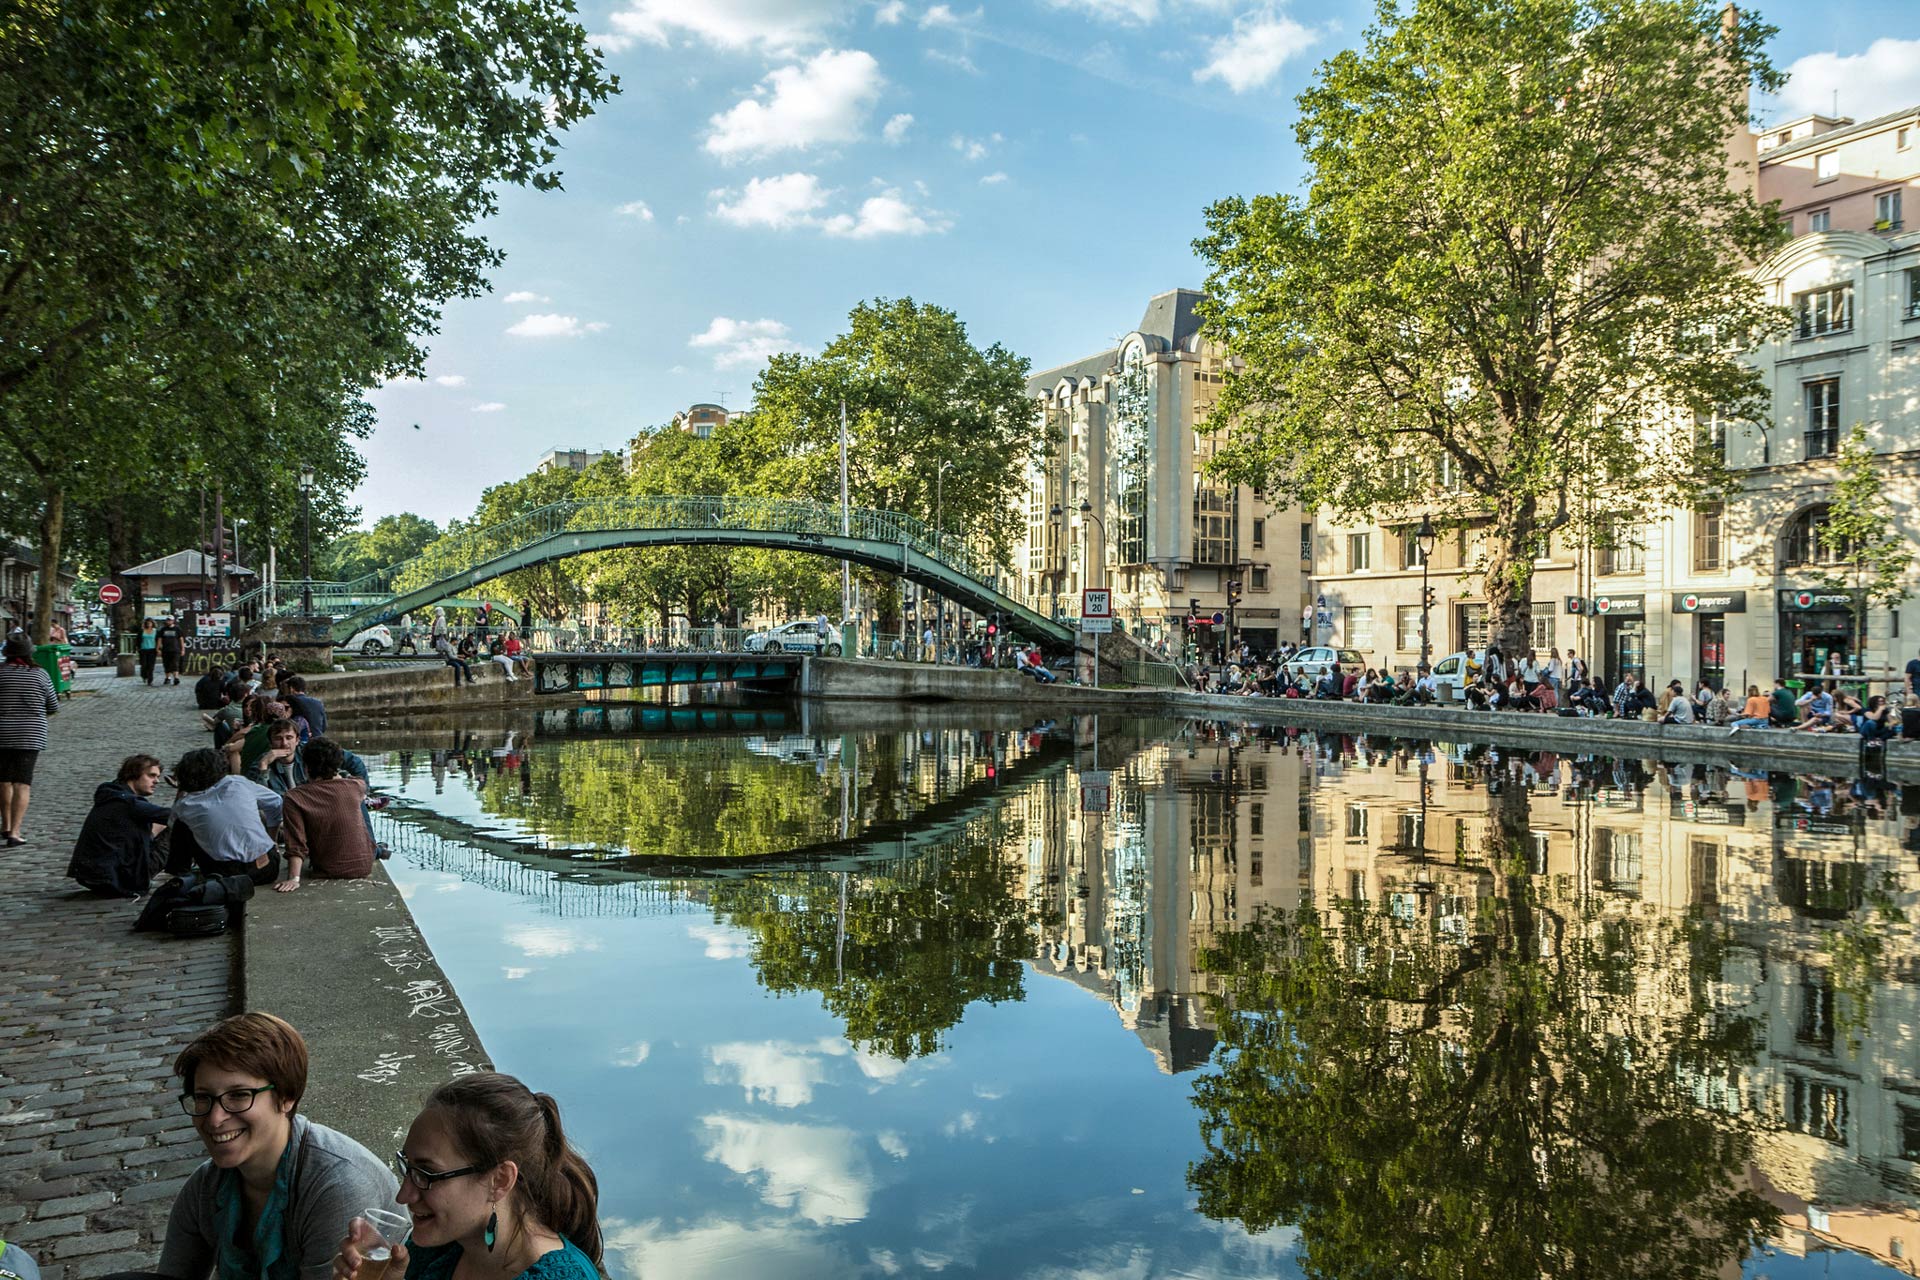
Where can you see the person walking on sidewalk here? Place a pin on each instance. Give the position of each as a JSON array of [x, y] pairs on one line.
[[171, 648], [26, 700], [149, 649]]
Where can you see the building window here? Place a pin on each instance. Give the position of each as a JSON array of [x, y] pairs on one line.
[[1448, 473], [1259, 577], [1213, 526], [1786, 225], [1815, 1028], [1886, 211], [1817, 1108], [1826, 166], [1540, 626], [1474, 628], [1617, 859], [1806, 541], [1357, 826], [1360, 627], [1409, 557], [1819, 220], [1406, 626], [1707, 524], [1903, 139], [1819, 312], [1259, 531], [1913, 293], [1621, 551], [1359, 552], [1823, 417], [1306, 542], [1710, 435]]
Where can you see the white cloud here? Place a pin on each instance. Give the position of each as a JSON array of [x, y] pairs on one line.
[[776, 1071], [1131, 12], [524, 295], [722, 943], [633, 1055], [972, 149], [773, 25], [515, 972], [825, 99], [715, 1250], [941, 15], [788, 200], [958, 61], [544, 942], [491, 406], [1253, 53], [635, 209], [452, 379], [886, 214], [819, 1173], [895, 129], [736, 344], [608, 42], [893, 1144], [1884, 78], [993, 179], [554, 326], [890, 13]]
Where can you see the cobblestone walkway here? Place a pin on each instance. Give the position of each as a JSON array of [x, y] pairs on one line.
[[92, 1142]]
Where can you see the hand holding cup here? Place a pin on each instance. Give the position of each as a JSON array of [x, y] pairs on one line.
[[375, 1243]]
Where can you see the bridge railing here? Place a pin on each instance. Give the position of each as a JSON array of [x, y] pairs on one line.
[[462, 552]]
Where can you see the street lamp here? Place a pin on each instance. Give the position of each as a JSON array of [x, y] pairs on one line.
[[306, 521], [1086, 513], [939, 549], [1423, 537]]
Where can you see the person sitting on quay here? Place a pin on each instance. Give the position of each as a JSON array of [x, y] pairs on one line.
[[222, 821], [1630, 699], [1545, 696], [1817, 704], [276, 1188], [324, 820], [494, 1188], [208, 694], [293, 692], [1719, 709], [1680, 707], [1756, 713], [441, 646], [114, 856], [1875, 720]]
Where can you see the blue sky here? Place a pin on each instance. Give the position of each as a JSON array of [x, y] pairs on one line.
[[1039, 166]]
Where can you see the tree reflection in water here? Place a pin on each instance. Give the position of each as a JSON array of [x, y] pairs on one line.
[[1507, 1099], [908, 947]]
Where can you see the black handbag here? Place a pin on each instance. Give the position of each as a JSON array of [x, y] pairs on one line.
[[197, 922]]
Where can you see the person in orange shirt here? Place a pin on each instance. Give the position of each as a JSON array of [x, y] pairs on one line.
[[1754, 714]]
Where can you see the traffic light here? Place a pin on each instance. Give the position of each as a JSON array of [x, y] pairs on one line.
[[1430, 598], [1193, 607], [1233, 591], [993, 627]]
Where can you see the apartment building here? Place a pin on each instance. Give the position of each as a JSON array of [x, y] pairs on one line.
[[701, 420], [568, 459], [1122, 498], [1740, 593]]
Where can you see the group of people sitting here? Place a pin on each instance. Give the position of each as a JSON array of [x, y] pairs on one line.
[[273, 784]]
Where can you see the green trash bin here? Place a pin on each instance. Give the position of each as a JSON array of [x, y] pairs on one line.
[[47, 658]]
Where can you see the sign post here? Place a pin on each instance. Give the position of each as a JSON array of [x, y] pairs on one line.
[[1096, 618]]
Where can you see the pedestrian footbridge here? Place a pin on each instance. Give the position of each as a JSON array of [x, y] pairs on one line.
[[459, 563]]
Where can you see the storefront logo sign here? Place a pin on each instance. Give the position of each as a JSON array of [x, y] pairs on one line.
[[1710, 602], [1619, 604], [1801, 599]]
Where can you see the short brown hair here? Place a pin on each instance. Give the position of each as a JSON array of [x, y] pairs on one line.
[[136, 766], [257, 1043]]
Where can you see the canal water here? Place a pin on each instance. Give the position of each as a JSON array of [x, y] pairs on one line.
[[874, 993]]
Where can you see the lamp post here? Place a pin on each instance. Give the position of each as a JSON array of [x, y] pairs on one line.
[[939, 546], [1086, 513], [306, 558], [1423, 537]]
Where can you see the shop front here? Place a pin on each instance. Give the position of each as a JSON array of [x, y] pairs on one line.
[[1623, 636], [1710, 610], [1816, 631]]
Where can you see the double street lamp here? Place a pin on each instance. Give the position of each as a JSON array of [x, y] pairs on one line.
[[939, 547], [1423, 538], [306, 557]]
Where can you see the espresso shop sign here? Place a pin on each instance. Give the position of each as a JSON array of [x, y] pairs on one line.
[[1795, 598], [1620, 606], [1709, 602]]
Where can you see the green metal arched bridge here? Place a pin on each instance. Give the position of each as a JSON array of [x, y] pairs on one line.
[[460, 562]]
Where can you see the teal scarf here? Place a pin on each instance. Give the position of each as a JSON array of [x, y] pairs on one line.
[[268, 1258]]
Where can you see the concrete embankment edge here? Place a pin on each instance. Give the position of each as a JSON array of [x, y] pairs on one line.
[[344, 962]]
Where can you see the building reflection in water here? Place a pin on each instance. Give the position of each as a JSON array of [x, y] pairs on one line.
[[1546, 1015]]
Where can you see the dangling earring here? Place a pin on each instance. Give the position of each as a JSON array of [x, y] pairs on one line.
[[493, 1225]]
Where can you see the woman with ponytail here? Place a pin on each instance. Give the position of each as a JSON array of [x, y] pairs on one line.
[[494, 1190]]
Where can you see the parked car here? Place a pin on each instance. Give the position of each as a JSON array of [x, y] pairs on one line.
[[796, 637], [1456, 671], [1314, 662], [371, 641]]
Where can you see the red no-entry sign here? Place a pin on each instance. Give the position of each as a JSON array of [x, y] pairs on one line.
[[109, 594]]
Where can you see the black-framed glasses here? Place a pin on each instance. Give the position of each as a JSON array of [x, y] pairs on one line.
[[233, 1101], [423, 1179]]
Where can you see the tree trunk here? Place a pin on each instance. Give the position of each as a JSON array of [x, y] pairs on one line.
[[53, 518], [122, 536], [1509, 576]]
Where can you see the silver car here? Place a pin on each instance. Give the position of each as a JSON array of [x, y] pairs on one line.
[[1314, 662]]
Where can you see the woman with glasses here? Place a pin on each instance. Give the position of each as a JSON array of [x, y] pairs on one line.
[[487, 1171], [277, 1189]]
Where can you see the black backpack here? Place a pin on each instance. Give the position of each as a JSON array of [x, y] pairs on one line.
[[205, 905]]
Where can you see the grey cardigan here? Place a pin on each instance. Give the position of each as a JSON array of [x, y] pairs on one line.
[[334, 1179]]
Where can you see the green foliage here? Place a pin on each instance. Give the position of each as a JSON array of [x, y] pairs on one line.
[[550, 589], [390, 540], [1860, 519], [1519, 253], [1496, 1106]]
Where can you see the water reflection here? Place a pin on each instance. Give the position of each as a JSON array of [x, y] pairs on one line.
[[1414, 1010]]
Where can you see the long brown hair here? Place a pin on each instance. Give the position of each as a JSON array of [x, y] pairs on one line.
[[496, 1118]]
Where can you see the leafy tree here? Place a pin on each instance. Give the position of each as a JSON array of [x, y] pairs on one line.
[[1876, 558], [390, 540], [1519, 255], [1496, 1106], [551, 588]]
